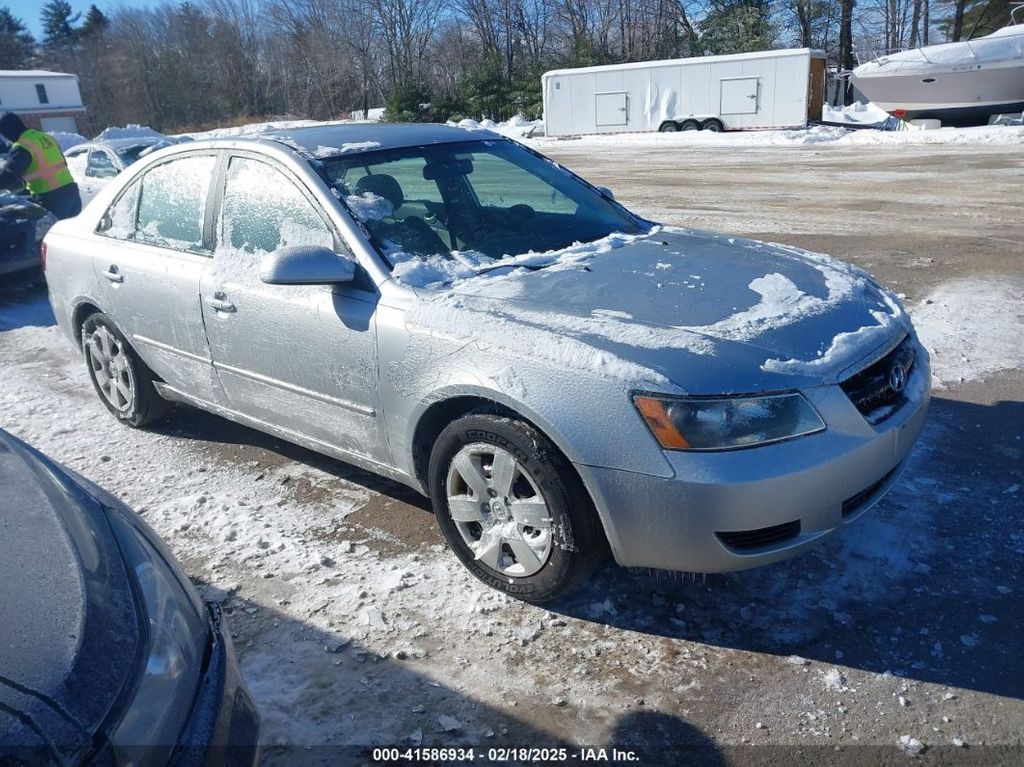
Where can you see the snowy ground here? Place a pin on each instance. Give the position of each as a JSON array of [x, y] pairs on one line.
[[355, 627]]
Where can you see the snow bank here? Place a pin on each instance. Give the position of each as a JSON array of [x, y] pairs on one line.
[[972, 328], [817, 135], [68, 140], [516, 127], [129, 131]]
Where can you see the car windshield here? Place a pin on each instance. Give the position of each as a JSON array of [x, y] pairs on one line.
[[489, 198], [131, 154]]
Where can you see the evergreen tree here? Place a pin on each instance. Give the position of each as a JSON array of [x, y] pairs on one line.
[[95, 22], [59, 23], [16, 42]]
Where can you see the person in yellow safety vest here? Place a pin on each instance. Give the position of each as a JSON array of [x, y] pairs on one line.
[[35, 163]]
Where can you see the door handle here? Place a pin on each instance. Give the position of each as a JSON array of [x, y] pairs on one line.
[[113, 274], [219, 301]]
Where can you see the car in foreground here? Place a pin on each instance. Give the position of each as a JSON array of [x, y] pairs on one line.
[[109, 655], [455, 311], [94, 163]]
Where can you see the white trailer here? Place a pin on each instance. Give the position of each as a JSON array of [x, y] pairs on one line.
[[766, 89]]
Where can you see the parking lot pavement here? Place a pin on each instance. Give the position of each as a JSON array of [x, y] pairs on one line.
[[354, 626]]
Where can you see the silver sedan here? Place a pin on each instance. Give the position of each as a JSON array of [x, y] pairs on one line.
[[452, 310]]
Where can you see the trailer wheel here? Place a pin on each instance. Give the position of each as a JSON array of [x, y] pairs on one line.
[[668, 127], [691, 125], [715, 126]]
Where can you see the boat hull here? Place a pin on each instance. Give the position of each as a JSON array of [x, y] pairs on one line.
[[969, 96]]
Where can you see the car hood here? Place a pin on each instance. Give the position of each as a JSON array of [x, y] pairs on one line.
[[696, 310], [70, 630]]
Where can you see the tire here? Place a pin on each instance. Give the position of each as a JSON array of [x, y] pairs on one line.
[[691, 125], [121, 379], [715, 126], [484, 527], [668, 127]]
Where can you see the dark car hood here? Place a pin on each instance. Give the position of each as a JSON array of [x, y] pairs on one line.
[[708, 313], [70, 631]]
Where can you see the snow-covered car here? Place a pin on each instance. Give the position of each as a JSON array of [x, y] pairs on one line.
[[94, 163], [455, 311], [109, 654]]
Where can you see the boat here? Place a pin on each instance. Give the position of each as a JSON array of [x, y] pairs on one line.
[[960, 84]]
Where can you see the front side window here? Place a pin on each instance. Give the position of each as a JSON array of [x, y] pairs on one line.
[[172, 203], [489, 198], [100, 165], [264, 210]]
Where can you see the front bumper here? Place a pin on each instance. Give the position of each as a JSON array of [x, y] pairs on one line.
[[224, 726], [739, 509]]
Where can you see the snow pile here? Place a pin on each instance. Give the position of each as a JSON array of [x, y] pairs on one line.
[[515, 127], [68, 140], [972, 328], [817, 135], [129, 131]]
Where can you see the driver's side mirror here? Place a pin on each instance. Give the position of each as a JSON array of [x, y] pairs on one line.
[[606, 192], [306, 265]]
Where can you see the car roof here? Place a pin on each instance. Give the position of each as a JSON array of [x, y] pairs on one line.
[[330, 140]]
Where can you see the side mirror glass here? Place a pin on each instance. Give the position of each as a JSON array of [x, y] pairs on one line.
[[306, 265]]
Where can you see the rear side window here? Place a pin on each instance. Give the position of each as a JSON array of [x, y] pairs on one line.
[[264, 210], [100, 165], [172, 203], [119, 221]]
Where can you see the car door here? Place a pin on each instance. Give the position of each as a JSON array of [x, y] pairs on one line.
[[301, 358], [155, 247]]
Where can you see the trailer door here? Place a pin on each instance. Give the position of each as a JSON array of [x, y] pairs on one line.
[[739, 95], [611, 108]]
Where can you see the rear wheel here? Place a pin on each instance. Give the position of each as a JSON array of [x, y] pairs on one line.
[[668, 127], [120, 378], [715, 126], [512, 509], [691, 125]]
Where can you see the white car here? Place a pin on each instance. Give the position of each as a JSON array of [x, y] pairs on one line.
[[94, 163]]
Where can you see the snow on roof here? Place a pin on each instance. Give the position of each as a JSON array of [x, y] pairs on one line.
[[36, 74], [319, 140], [785, 52]]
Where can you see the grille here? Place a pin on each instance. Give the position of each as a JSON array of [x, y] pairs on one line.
[[765, 536], [855, 502], [871, 389]]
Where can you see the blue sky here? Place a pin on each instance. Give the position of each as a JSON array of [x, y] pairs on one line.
[[28, 10]]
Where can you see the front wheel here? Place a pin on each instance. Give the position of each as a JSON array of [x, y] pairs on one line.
[[512, 508], [715, 126], [120, 378], [668, 127]]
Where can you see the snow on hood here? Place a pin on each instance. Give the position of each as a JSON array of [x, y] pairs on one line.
[[699, 310]]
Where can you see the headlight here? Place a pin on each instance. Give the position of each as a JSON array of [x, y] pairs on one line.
[[176, 633], [726, 423]]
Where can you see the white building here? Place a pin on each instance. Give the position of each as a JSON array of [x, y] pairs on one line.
[[50, 101], [767, 89]]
